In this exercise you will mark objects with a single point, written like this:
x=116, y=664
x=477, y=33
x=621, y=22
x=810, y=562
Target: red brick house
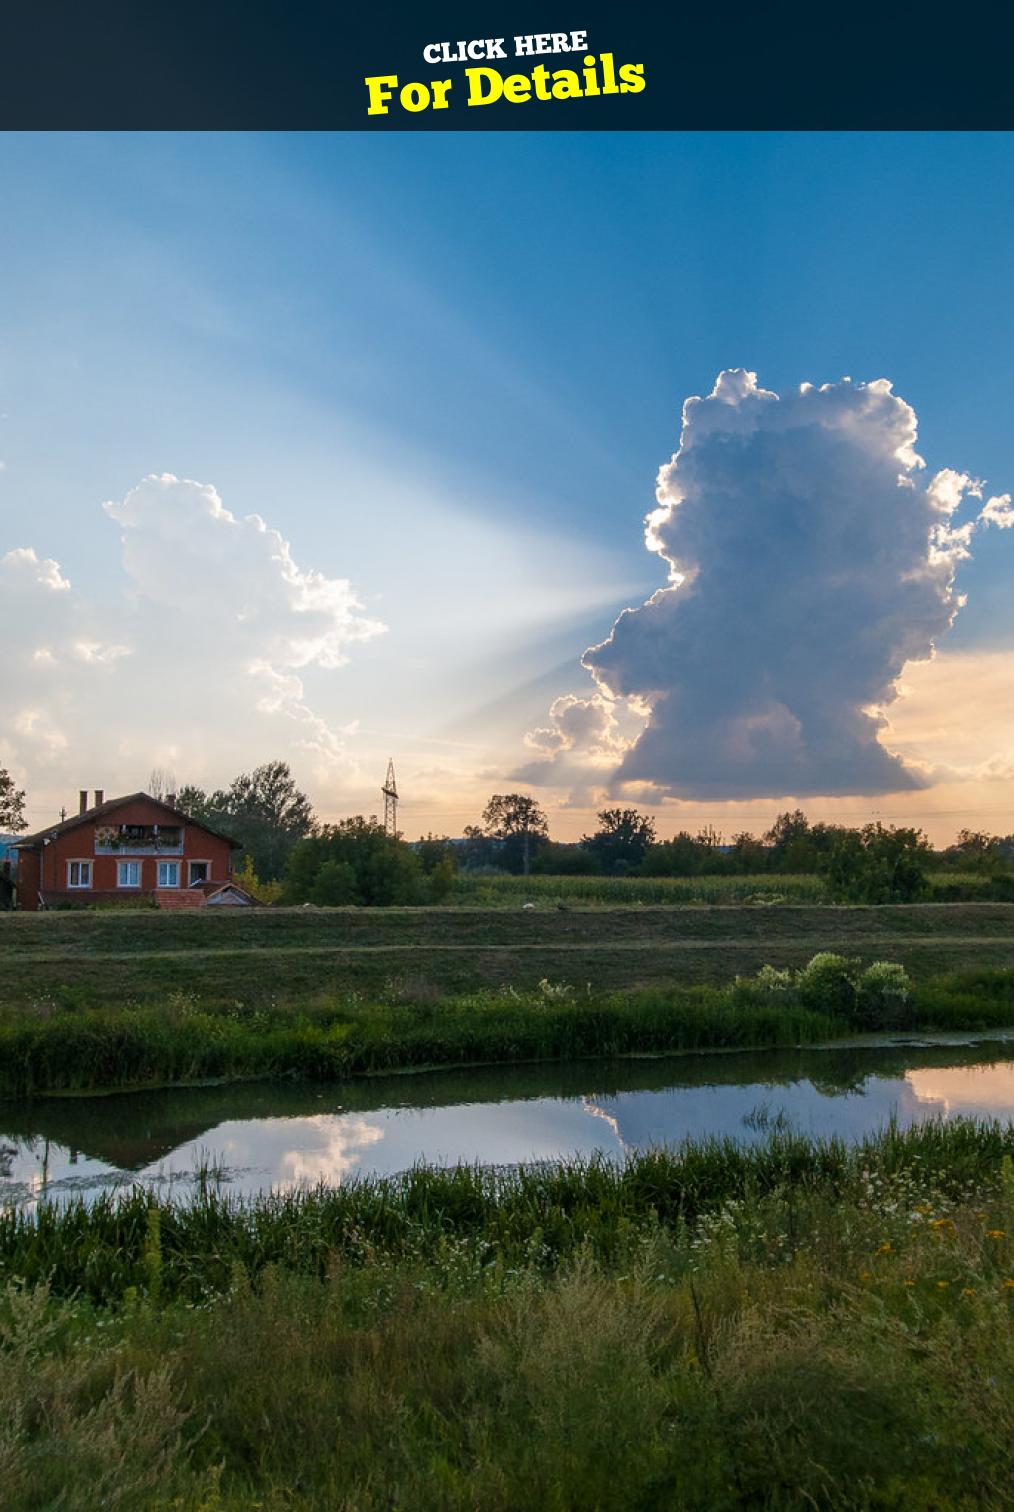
x=124, y=848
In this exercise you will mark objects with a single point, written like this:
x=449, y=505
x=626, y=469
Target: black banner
x=283, y=65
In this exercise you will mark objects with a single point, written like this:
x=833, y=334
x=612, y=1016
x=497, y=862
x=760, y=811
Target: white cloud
x=22, y=572
x=998, y=511
x=585, y=725
x=200, y=660
x=808, y=561
x=185, y=551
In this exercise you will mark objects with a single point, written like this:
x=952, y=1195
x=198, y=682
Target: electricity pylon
x=390, y=792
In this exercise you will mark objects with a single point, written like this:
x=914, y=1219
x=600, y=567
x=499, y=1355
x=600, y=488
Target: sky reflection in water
x=265, y=1136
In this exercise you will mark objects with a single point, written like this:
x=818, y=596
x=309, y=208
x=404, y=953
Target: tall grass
x=48, y=1047
x=182, y=1040
x=793, y=1327
x=508, y=891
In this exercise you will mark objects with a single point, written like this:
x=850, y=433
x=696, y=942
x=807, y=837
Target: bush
x=768, y=987
x=829, y=984
x=884, y=997
x=880, y=997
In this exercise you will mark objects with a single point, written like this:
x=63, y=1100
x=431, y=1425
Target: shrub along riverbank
x=50, y=1048
x=713, y=1327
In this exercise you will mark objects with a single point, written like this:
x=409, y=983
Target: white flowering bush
x=884, y=997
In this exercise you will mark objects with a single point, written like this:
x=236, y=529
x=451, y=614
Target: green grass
x=67, y=1046
x=264, y=956
x=764, y=888
x=182, y=1040
x=794, y=1326
x=508, y=891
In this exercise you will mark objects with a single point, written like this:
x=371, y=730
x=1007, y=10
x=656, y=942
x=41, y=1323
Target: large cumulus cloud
x=809, y=559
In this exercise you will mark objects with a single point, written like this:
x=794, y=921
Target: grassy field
x=268, y=956
x=624, y=892
x=791, y=1326
x=614, y=892
x=121, y=998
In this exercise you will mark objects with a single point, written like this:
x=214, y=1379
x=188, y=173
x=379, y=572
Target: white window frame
x=190, y=871
x=121, y=867
x=166, y=865
x=79, y=886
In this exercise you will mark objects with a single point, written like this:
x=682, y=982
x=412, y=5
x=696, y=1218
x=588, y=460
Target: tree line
x=288, y=855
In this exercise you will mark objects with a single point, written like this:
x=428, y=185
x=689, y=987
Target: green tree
x=520, y=823
x=877, y=864
x=194, y=802
x=681, y=856
x=978, y=852
x=749, y=856
x=263, y=809
x=384, y=870
x=479, y=850
x=12, y=804
x=248, y=880
x=553, y=860
x=432, y=850
x=791, y=845
x=334, y=885
x=621, y=840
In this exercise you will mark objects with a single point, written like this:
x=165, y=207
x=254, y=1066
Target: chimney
x=171, y=800
x=82, y=799
x=99, y=795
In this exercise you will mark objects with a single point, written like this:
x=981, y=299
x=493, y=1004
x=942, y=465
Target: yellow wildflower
x=942, y=1284
x=865, y=1276
x=909, y=1281
x=968, y=1291
x=1008, y=1284
x=887, y=1248
x=995, y=1234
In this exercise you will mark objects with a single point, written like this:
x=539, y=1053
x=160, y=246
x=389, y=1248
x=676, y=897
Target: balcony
x=139, y=840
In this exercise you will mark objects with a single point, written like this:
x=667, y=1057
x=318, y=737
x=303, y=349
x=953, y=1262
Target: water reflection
x=253, y=1137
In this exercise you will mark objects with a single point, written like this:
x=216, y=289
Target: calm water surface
x=266, y=1135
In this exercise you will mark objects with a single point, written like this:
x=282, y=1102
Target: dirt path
x=815, y=943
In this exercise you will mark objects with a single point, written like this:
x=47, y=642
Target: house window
x=128, y=873
x=168, y=874
x=198, y=872
x=79, y=874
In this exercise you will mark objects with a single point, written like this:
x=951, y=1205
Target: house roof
x=101, y=810
x=212, y=889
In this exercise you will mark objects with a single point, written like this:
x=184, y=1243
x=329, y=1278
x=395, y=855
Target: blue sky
x=447, y=367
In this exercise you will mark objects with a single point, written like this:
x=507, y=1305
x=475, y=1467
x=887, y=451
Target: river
x=251, y=1137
